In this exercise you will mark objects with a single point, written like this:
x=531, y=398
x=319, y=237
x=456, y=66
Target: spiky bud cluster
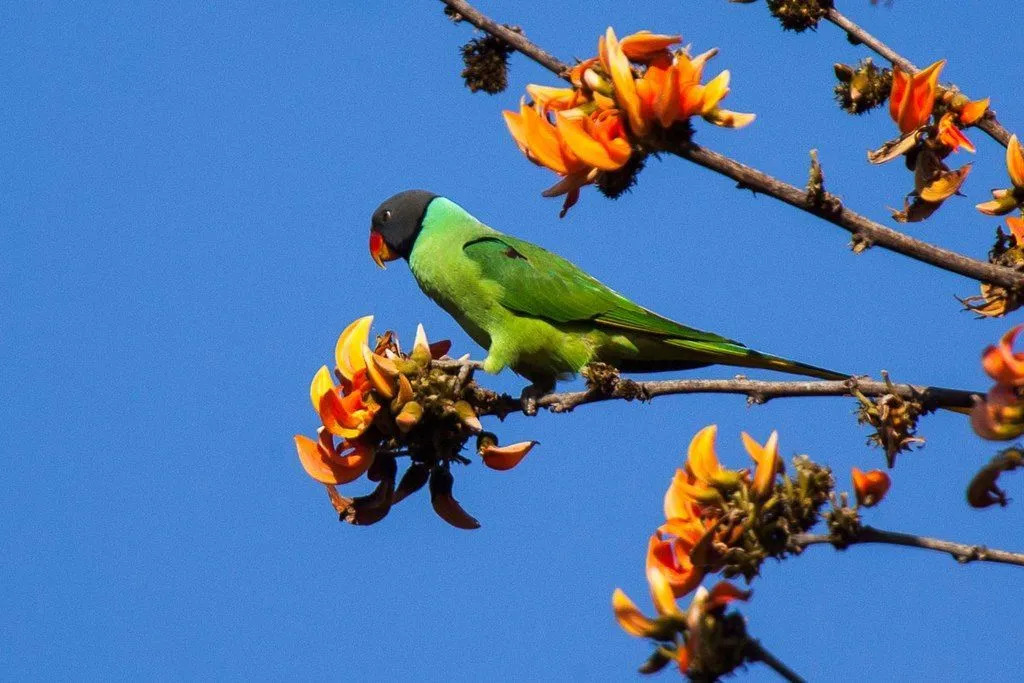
x=799, y=15
x=613, y=184
x=894, y=419
x=862, y=88
x=486, y=61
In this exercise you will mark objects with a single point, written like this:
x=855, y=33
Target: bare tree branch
x=865, y=230
x=961, y=552
x=756, y=391
x=989, y=124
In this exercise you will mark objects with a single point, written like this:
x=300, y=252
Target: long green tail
x=697, y=353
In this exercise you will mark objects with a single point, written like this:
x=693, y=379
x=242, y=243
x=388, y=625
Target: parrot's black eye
x=386, y=216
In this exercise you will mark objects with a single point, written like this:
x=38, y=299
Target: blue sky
x=186, y=198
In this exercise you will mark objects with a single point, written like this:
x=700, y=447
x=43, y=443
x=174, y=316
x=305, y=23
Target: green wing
x=540, y=284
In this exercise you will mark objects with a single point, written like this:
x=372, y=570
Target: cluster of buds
x=799, y=15
x=863, y=88
x=893, y=418
x=928, y=134
x=389, y=404
x=704, y=641
x=1000, y=415
x=635, y=97
x=995, y=300
x=729, y=521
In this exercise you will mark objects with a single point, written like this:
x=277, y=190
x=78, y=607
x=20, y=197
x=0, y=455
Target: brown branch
x=989, y=124
x=756, y=391
x=863, y=228
x=961, y=552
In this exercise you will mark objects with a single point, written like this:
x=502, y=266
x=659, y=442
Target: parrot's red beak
x=379, y=249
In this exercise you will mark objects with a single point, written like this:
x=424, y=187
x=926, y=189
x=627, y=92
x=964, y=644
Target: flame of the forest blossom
x=870, y=487
x=1005, y=200
x=617, y=101
x=669, y=618
x=380, y=403
x=913, y=96
x=1000, y=415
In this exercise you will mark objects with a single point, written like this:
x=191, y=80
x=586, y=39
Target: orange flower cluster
x=690, y=542
x=1000, y=415
x=378, y=408
x=870, y=487
x=617, y=99
x=1005, y=200
x=911, y=105
x=672, y=620
x=912, y=101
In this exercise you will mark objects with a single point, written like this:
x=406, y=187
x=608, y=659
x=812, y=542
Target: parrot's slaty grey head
x=396, y=223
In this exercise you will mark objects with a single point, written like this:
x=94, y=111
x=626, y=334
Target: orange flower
x=1005, y=200
x=598, y=140
x=539, y=140
x=1015, y=162
x=1000, y=416
x=971, y=112
x=870, y=487
x=1001, y=362
x=671, y=556
x=913, y=96
x=768, y=463
x=616, y=65
x=326, y=463
x=506, y=457
x=644, y=47
x=951, y=136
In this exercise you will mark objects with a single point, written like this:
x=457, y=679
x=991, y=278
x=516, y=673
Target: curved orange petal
x=331, y=468
x=666, y=106
x=701, y=457
x=644, y=46
x=585, y=147
x=729, y=119
x=972, y=111
x=1015, y=162
x=678, y=503
x=676, y=566
x=951, y=136
x=618, y=68
x=920, y=99
x=722, y=594
x=1016, y=226
x=347, y=352
x=767, y=459
x=506, y=457
x=900, y=81
x=661, y=592
x=870, y=487
x=321, y=384
x=629, y=616
x=715, y=89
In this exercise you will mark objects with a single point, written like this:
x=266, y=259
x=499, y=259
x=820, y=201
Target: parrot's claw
x=528, y=399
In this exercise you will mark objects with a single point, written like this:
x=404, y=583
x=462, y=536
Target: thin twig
x=756, y=391
x=989, y=124
x=863, y=228
x=755, y=652
x=961, y=552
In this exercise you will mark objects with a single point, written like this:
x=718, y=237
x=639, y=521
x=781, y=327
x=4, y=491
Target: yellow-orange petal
x=714, y=90
x=321, y=384
x=729, y=119
x=644, y=46
x=1000, y=361
x=677, y=567
x=629, y=616
x=972, y=111
x=870, y=487
x=722, y=594
x=945, y=186
x=1015, y=162
x=679, y=504
x=1016, y=226
x=919, y=100
x=1003, y=202
x=951, y=136
x=340, y=418
x=515, y=125
x=506, y=457
x=348, y=351
x=661, y=592
x=900, y=83
x=701, y=457
x=551, y=98
x=666, y=105
x=377, y=373
x=625, y=87
x=330, y=468
x=767, y=460
x=585, y=147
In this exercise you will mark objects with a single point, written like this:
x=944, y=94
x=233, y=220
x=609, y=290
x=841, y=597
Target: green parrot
x=534, y=311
